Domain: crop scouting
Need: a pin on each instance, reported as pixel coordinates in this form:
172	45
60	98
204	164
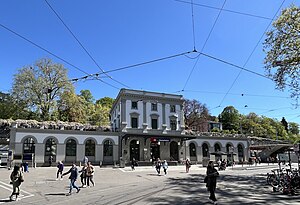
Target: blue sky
119	33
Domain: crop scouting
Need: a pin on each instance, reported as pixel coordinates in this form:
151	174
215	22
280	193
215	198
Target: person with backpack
73	177
60	169
16	178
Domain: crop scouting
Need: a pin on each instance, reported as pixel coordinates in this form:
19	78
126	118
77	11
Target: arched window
228	146
108	148
29	146
71	147
90	148
205	150
217	147
192	150
50	147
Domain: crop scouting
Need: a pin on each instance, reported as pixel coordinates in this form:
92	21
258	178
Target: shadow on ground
233	190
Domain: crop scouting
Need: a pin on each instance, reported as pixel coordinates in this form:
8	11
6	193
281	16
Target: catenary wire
249	57
148	62
82	46
227	10
234	65
237	94
210	32
51	53
193	24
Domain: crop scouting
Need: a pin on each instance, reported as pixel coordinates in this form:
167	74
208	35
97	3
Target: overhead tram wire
86	51
238	94
210	32
148	62
51	53
249	57
227	10
234	65
193	23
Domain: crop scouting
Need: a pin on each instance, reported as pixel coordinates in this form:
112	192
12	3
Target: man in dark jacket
73	177
211	184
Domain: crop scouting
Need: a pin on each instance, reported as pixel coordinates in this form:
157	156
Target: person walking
85	160
83	175
165	166
187	165
73	177
212	174
60	169
16	178
50	160
133	164
158	166
90	174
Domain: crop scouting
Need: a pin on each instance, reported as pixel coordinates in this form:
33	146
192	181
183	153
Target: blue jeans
72	184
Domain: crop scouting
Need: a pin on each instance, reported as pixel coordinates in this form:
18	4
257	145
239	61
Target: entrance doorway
134	150
155	151
174	151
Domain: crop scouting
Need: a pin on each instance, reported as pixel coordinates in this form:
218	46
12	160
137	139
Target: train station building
144	125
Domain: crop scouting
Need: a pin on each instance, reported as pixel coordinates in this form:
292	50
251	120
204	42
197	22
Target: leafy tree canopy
282	47
40	85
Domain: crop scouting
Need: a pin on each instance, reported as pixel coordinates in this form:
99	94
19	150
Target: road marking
9	188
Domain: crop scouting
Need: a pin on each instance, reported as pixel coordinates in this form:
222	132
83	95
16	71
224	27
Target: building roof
146	95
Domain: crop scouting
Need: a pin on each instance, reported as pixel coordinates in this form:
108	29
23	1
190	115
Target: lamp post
231	152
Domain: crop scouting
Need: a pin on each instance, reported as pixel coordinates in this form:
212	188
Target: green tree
101	115
71	107
106	101
282	47
230	118
196	114
294	128
40	85
87	95
9	108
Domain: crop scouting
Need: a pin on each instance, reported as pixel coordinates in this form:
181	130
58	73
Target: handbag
205	179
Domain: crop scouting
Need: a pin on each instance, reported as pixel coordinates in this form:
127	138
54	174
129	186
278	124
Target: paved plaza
238	185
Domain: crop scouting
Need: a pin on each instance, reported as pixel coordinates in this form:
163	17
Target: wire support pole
193	24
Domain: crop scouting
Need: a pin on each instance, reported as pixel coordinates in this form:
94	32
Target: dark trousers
212	193
59	172
83	181
88	179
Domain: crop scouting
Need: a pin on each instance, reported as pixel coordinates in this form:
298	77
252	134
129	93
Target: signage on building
160	139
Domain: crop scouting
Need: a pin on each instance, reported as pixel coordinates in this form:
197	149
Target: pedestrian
158	166
50	160
187	165
73	177
211	182
133	164
16	178
85	160
165	166
83	175
90	174
60	169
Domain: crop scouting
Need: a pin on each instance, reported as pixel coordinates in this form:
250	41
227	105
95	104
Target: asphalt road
240	185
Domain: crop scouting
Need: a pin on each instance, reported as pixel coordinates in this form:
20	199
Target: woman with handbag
211	181
16	178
